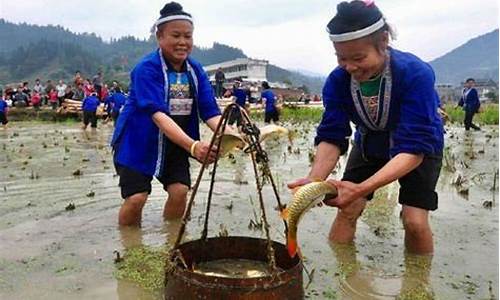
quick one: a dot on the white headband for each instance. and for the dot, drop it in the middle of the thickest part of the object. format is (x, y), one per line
(349, 36)
(168, 19)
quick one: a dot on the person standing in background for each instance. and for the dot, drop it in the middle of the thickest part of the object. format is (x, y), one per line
(3, 111)
(220, 78)
(97, 83)
(77, 79)
(36, 100)
(48, 87)
(271, 111)
(89, 107)
(61, 91)
(470, 102)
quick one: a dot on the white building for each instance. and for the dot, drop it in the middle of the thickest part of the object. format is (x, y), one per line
(247, 69)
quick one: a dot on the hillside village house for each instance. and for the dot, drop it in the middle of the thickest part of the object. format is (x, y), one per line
(252, 71)
(450, 93)
(247, 69)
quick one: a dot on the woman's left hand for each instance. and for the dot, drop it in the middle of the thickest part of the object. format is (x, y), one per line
(347, 192)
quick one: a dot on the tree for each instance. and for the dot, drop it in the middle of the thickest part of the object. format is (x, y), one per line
(492, 96)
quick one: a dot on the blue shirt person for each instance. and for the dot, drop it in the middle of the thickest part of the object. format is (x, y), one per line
(114, 103)
(3, 111)
(240, 97)
(271, 112)
(389, 96)
(89, 107)
(158, 127)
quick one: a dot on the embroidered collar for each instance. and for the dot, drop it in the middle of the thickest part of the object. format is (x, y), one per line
(379, 122)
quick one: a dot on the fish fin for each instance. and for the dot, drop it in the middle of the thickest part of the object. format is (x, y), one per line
(284, 213)
(316, 179)
(291, 245)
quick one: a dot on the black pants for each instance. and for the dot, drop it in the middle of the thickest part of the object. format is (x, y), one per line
(417, 188)
(90, 117)
(272, 115)
(219, 91)
(468, 120)
(235, 117)
(3, 118)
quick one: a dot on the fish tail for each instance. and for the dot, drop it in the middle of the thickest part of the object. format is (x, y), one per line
(292, 245)
(284, 213)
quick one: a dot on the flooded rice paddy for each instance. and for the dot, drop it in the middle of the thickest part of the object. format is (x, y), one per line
(59, 237)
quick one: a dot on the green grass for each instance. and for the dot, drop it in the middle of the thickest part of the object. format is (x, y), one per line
(487, 116)
(45, 115)
(145, 266)
(291, 114)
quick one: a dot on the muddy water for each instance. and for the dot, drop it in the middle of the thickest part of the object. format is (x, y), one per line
(50, 251)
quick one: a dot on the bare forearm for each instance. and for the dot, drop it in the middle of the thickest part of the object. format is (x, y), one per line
(172, 130)
(213, 122)
(325, 160)
(396, 168)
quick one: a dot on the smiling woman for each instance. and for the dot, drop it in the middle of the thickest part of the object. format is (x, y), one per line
(389, 95)
(158, 129)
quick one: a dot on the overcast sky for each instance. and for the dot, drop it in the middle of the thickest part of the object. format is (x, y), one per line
(288, 33)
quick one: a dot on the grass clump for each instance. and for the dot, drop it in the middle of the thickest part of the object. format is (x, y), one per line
(488, 114)
(293, 114)
(144, 266)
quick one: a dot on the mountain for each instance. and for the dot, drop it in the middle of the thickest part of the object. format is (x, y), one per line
(53, 52)
(477, 58)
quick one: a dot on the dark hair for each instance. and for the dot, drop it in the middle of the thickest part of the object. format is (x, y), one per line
(171, 9)
(265, 85)
(356, 15)
(470, 79)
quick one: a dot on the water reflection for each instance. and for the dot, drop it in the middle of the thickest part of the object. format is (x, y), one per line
(415, 283)
(140, 273)
(360, 282)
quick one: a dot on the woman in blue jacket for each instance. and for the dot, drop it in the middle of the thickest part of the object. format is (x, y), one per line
(271, 112)
(89, 108)
(389, 95)
(158, 128)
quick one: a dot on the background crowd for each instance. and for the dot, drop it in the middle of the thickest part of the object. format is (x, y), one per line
(52, 93)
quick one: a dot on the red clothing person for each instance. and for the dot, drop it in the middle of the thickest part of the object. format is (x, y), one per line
(36, 99)
(53, 98)
(104, 92)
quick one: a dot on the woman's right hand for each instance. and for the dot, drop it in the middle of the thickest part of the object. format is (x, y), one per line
(201, 149)
(299, 182)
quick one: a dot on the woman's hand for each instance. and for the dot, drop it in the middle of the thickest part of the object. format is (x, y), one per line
(299, 182)
(347, 192)
(201, 149)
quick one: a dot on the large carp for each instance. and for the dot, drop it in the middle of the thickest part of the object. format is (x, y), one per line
(304, 198)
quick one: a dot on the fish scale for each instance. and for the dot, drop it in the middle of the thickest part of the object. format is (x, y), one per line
(304, 198)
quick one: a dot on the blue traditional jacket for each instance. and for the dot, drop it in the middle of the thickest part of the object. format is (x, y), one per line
(137, 142)
(241, 96)
(116, 101)
(407, 120)
(90, 103)
(3, 105)
(269, 95)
